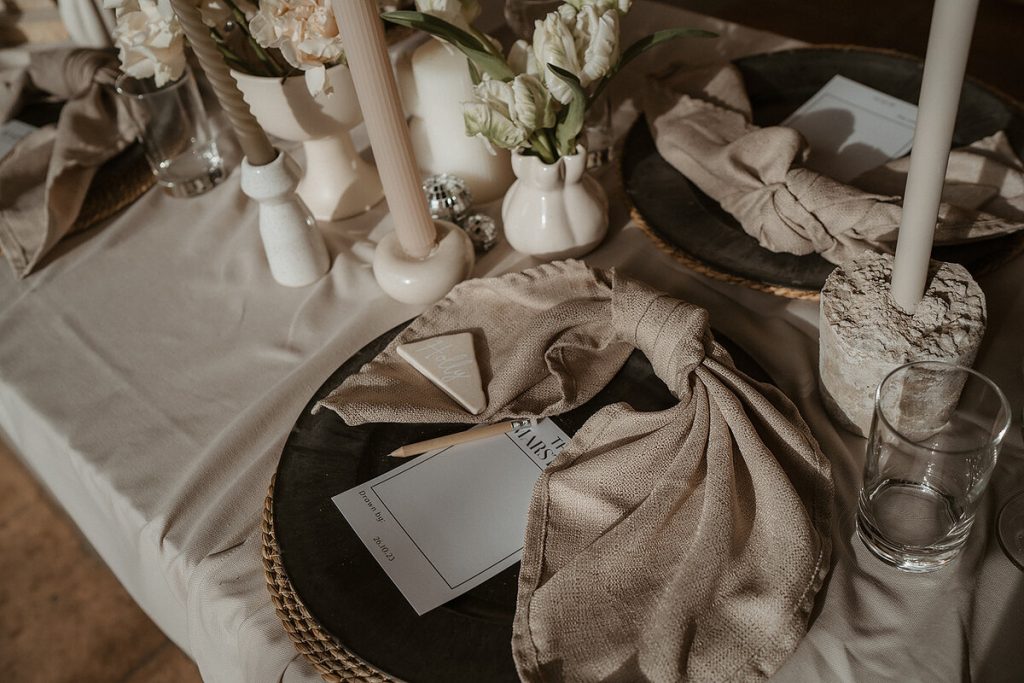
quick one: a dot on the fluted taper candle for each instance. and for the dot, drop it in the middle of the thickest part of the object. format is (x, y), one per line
(254, 142)
(362, 34)
(945, 62)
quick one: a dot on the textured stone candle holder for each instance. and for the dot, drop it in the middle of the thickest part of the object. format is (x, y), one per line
(864, 334)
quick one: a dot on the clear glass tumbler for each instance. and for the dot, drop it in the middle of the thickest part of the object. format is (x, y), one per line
(934, 439)
(175, 133)
(522, 15)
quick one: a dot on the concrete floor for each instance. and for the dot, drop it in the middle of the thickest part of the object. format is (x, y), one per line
(63, 615)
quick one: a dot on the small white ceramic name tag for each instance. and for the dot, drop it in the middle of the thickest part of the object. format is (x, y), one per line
(450, 363)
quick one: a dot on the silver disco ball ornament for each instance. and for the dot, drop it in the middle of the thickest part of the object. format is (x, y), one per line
(482, 231)
(448, 197)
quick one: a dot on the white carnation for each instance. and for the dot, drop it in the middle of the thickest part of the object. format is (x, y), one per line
(149, 39)
(304, 31)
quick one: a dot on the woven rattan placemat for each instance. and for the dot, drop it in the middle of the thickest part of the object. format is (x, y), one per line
(334, 662)
(118, 183)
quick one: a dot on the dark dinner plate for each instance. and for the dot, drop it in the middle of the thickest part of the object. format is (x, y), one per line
(350, 596)
(695, 228)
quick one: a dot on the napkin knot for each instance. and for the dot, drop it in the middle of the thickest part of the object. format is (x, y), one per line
(673, 334)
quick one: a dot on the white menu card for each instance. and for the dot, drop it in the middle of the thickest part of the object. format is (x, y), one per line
(852, 128)
(449, 520)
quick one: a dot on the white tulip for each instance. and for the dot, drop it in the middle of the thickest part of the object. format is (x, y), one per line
(598, 35)
(583, 42)
(532, 106)
(483, 120)
(508, 113)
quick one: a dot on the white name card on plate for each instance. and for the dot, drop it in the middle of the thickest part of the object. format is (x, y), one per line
(451, 519)
(852, 128)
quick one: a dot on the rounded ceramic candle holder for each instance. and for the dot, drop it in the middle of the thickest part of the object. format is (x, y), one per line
(294, 246)
(423, 281)
(337, 183)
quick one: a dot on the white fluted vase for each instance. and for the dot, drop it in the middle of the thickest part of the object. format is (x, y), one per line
(337, 183)
(554, 211)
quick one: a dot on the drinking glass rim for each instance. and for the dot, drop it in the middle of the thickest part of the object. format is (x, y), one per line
(166, 87)
(994, 440)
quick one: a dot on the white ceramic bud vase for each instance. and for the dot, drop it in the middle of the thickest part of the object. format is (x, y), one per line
(295, 249)
(337, 183)
(554, 211)
(435, 82)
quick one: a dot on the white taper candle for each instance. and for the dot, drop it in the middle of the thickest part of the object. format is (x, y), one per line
(945, 62)
(362, 34)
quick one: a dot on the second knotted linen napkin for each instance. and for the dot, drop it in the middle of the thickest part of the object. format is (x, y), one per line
(685, 543)
(701, 124)
(46, 176)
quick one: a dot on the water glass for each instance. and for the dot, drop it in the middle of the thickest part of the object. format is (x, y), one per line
(521, 15)
(175, 133)
(936, 433)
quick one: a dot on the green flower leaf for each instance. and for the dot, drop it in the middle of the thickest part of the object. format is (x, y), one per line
(469, 45)
(571, 120)
(658, 37)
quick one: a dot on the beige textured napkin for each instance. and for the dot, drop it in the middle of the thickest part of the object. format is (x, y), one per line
(682, 544)
(44, 179)
(701, 125)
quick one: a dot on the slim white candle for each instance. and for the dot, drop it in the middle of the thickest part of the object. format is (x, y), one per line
(945, 62)
(363, 37)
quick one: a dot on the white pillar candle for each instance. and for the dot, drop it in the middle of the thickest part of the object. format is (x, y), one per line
(435, 82)
(363, 37)
(945, 62)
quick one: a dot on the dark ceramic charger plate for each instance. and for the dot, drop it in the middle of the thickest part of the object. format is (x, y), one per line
(693, 226)
(341, 584)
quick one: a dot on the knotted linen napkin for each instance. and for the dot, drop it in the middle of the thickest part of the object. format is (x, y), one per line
(701, 125)
(685, 544)
(46, 176)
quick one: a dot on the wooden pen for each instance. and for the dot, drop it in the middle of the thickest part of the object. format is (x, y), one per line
(460, 437)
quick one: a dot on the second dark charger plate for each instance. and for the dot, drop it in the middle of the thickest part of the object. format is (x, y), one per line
(693, 227)
(343, 587)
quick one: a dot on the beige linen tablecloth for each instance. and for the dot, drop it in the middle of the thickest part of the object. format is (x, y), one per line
(151, 372)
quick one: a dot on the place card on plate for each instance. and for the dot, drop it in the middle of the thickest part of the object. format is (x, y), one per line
(450, 519)
(852, 128)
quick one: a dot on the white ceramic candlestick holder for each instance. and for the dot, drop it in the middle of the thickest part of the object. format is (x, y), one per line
(294, 246)
(337, 183)
(423, 281)
(864, 334)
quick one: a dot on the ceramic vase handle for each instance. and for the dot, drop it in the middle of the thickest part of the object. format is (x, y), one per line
(294, 246)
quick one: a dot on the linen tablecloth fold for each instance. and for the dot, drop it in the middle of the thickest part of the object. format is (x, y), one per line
(46, 176)
(701, 125)
(687, 543)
